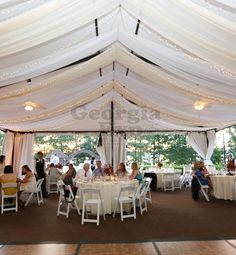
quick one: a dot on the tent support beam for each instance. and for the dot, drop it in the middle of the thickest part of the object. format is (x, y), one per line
(112, 133)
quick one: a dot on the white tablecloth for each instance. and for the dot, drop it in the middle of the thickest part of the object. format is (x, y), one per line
(109, 190)
(223, 186)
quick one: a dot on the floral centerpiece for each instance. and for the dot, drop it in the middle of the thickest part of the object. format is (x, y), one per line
(159, 164)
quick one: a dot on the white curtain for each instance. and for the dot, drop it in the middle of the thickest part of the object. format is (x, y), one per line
(119, 150)
(104, 149)
(211, 137)
(8, 145)
(203, 143)
(23, 152)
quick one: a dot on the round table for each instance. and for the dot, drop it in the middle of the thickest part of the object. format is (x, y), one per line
(223, 186)
(109, 190)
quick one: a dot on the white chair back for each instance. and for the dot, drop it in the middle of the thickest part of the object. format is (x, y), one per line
(14, 207)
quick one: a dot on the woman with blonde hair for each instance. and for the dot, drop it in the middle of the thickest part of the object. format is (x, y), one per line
(135, 172)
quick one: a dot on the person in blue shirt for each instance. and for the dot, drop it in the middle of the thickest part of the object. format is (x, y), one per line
(99, 171)
(135, 172)
(201, 177)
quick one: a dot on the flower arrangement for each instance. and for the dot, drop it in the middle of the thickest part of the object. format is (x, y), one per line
(159, 164)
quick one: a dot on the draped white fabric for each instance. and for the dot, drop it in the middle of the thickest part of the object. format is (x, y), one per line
(8, 144)
(203, 143)
(23, 152)
(119, 150)
(211, 138)
(150, 57)
(105, 150)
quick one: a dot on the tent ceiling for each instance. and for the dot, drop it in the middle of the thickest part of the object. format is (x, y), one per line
(153, 59)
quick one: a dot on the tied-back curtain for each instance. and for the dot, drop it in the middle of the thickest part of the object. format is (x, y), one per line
(203, 143)
(104, 148)
(119, 150)
(23, 151)
(8, 145)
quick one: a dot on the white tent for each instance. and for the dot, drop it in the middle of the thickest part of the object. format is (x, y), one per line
(153, 59)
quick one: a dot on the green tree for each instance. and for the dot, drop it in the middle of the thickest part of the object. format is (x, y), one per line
(178, 152)
(218, 158)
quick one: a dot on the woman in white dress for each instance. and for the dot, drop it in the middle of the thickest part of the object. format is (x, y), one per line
(28, 183)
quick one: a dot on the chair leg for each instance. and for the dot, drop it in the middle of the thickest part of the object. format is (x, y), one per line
(59, 206)
(121, 211)
(140, 206)
(134, 206)
(98, 213)
(2, 204)
(68, 210)
(205, 194)
(16, 202)
(83, 211)
(29, 198)
(76, 206)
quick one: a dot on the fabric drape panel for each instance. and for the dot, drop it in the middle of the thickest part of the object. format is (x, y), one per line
(119, 151)
(17, 153)
(23, 152)
(70, 16)
(198, 41)
(191, 56)
(106, 138)
(8, 145)
(203, 143)
(104, 151)
(211, 137)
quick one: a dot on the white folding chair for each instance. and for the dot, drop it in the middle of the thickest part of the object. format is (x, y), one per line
(36, 191)
(9, 207)
(168, 181)
(204, 190)
(148, 193)
(186, 179)
(141, 196)
(177, 180)
(69, 201)
(126, 196)
(52, 184)
(91, 198)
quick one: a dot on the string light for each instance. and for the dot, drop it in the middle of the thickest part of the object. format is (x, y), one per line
(29, 107)
(199, 105)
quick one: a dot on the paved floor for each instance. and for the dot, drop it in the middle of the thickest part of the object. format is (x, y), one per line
(212, 247)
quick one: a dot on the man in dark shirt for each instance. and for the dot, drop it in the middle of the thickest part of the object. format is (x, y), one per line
(40, 169)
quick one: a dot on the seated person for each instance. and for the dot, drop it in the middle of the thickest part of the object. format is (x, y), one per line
(29, 181)
(231, 164)
(8, 177)
(60, 168)
(135, 173)
(27, 184)
(204, 169)
(99, 171)
(108, 170)
(204, 180)
(53, 172)
(70, 174)
(195, 168)
(84, 173)
(121, 171)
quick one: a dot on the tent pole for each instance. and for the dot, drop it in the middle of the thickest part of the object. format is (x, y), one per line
(112, 133)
